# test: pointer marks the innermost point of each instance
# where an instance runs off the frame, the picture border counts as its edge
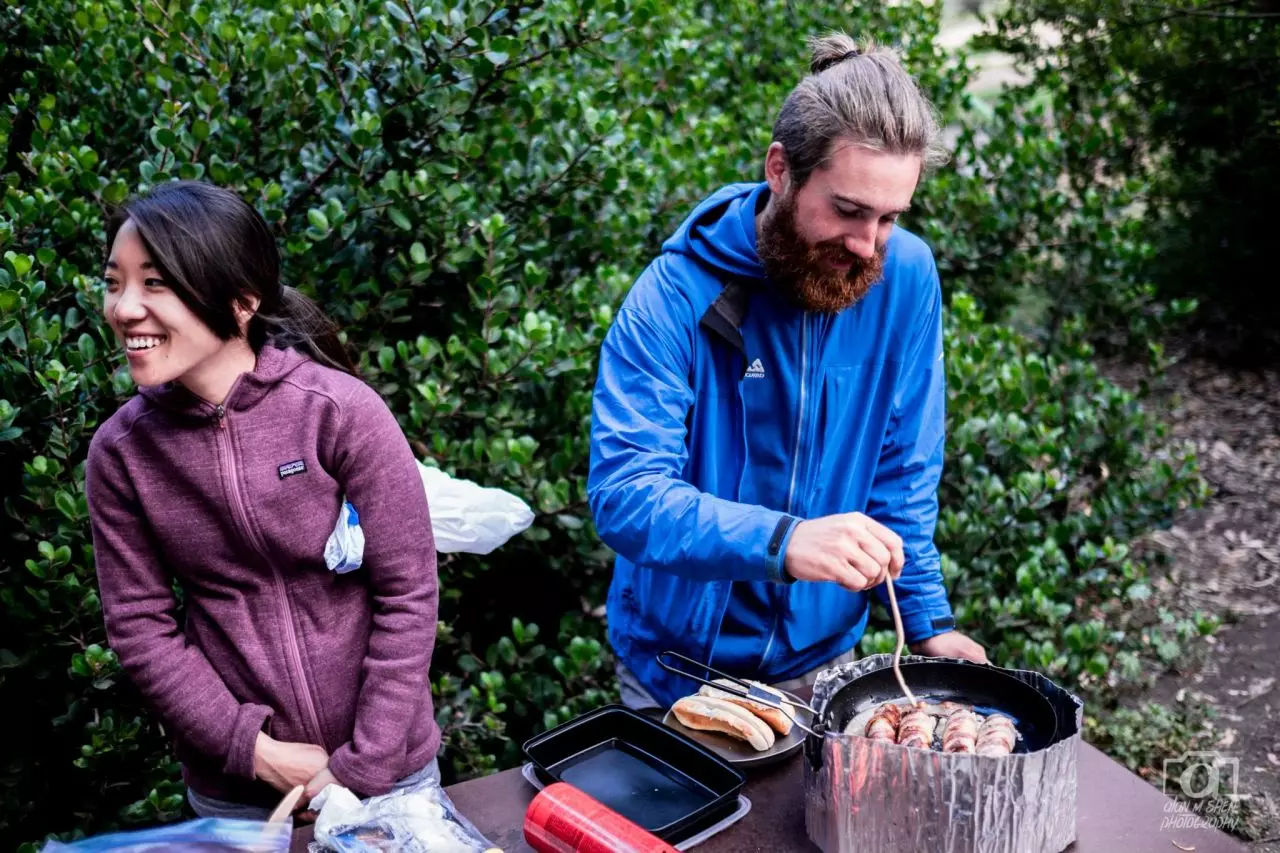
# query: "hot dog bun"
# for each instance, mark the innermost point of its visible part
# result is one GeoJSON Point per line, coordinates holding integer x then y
{"type": "Point", "coordinates": [716, 715]}
{"type": "Point", "coordinates": [777, 720]}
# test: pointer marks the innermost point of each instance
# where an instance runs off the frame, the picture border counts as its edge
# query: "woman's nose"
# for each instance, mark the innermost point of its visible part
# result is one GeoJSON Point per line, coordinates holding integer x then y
{"type": "Point", "coordinates": [126, 307]}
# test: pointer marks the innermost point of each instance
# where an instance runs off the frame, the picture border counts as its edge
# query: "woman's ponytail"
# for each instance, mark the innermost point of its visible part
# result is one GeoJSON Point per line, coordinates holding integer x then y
{"type": "Point", "coordinates": [299, 323]}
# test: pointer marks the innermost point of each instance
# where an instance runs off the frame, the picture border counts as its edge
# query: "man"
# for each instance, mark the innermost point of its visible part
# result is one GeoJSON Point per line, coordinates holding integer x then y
{"type": "Point", "coordinates": [768, 420]}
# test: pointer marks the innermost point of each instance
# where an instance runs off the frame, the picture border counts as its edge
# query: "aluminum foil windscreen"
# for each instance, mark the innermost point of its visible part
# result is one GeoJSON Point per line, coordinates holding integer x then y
{"type": "Point", "coordinates": [863, 795]}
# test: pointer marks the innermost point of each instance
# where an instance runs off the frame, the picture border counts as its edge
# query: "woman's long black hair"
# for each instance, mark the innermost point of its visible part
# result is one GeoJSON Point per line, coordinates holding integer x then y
{"type": "Point", "coordinates": [216, 251]}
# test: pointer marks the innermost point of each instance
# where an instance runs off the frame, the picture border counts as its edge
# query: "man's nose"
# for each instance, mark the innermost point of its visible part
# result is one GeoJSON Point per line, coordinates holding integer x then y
{"type": "Point", "coordinates": [861, 243]}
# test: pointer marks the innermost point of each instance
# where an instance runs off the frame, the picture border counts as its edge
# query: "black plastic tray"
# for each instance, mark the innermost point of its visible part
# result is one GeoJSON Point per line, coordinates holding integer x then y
{"type": "Point", "coordinates": [638, 767]}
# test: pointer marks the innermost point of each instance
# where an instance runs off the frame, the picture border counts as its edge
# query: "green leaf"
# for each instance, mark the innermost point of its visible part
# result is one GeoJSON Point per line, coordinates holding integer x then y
{"type": "Point", "coordinates": [318, 219]}
{"type": "Point", "coordinates": [419, 253]}
{"type": "Point", "coordinates": [396, 10]}
{"type": "Point", "coordinates": [66, 505]}
{"type": "Point", "coordinates": [21, 263]}
{"type": "Point", "coordinates": [397, 216]}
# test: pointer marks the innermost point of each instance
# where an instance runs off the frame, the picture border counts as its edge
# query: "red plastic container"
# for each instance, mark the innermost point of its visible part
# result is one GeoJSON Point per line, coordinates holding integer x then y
{"type": "Point", "coordinates": [562, 819]}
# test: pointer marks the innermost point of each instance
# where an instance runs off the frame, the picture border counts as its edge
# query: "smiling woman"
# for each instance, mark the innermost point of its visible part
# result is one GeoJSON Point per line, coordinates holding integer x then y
{"type": "Point", "coordinates": [193, 289]}
{"type": "Point", "coordinates": [284, 673]}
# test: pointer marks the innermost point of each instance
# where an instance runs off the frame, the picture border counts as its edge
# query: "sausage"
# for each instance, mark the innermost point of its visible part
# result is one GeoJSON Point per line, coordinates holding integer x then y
{"type": "Point", "coordinates": [996, 736]}
{"type": "Point", "coordinates": [916, 729]}
{"type": "Point", "coordinates": [960, 733]}
{"type": "Point", "coordinates": [884, 723]}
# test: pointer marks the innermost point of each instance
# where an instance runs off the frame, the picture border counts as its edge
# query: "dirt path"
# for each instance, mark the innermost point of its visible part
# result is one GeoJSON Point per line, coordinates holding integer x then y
{"type": "Point", "coordinates": [1225, 557]}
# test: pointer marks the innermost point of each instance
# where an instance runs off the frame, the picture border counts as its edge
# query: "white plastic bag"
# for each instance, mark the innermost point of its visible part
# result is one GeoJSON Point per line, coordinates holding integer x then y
{"type": "Point", "coordinates": [416, 819]}
{"type": "Point", "coordinates": [344, 552]}
{"type": "Point", "coordinates": [471, 518]}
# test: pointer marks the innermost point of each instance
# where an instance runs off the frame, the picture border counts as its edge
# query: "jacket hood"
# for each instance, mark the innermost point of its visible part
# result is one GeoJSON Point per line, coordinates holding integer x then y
{"type": "Point", "coordinates": [273, 365]}
{"type": "Point", "coordinates": [721, 231]}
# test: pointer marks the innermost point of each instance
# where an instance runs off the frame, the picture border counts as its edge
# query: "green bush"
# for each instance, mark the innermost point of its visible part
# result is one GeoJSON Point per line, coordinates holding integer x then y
{"type": "Point", "coordinates": [1051, 470]}
{"type": "Point", "coordinates": [1177, 105]}
{"type": "Point", "coordinates": [470, 190]}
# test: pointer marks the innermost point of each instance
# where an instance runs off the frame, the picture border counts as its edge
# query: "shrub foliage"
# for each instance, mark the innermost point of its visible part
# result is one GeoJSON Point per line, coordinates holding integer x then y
{"type": "Point", "coordinates": [470, 188]}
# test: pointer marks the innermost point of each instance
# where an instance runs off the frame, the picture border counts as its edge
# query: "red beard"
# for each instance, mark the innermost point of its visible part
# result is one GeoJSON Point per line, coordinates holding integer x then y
{"type": "Point", "coordinates": [802, 273]}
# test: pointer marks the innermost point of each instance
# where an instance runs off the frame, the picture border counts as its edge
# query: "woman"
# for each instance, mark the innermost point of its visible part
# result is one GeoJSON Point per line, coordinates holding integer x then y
{"type": "Point", "coordinates": [227, 473]}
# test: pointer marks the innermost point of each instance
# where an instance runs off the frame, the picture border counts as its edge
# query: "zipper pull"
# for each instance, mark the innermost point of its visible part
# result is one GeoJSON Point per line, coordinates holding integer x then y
{"type": "Point", "coordinates": [220, 415]}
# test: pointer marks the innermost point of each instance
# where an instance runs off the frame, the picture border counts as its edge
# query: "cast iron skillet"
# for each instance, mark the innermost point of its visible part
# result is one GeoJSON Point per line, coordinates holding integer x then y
{"type": "Point", "coordinates": [985, 687]}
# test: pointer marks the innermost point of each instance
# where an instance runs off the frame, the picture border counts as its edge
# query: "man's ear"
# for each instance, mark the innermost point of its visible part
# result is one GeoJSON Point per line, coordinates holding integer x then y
{"type": "Point", "coordinates": [776, 170]}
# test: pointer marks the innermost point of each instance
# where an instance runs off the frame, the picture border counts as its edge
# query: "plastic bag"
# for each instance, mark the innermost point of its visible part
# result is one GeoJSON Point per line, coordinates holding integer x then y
{"type": "Point", "coordinates": [214, 835]}
{"type": "Point", "coordinates": [344, 552]}
{"type": "Point", "coordinates": [416, 819]}
{"type": "Point", "coordinates": [471, 518]}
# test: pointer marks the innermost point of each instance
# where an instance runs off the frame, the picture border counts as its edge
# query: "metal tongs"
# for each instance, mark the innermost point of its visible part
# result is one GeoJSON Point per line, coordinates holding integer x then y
{"type": "Point", "coordinates": [744, 689]}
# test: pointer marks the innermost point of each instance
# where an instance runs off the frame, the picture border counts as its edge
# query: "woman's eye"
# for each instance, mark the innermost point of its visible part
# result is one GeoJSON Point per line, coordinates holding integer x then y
{"type": "Point", "coordinates": [155, 283]}
{"type": "Point", "coordinates": [111, 285]}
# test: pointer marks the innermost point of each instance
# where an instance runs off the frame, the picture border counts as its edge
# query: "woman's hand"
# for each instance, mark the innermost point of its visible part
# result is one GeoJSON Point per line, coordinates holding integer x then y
{"type": "Point", "coordinates": [284, 765]}
{"type": "Point", "coordinates": [318, 783]}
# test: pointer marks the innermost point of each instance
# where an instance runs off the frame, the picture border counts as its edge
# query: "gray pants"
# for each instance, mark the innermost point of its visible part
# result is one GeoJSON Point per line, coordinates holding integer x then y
{"type": "Point", "coordinates": [210, 807]}
{"type": "Point", "coordinates": [635, 697]}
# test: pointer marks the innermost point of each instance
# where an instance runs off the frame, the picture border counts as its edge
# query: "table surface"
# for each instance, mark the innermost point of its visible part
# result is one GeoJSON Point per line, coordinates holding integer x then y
{"type": "Point", "coordinates": [1117, 811]}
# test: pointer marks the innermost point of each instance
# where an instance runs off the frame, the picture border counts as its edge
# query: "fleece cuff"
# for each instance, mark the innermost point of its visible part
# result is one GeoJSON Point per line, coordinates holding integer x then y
{"type": "Point", "coordinates": [244, 739]}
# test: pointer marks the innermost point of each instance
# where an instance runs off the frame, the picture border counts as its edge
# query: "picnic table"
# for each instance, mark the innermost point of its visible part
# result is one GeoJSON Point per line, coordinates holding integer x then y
{"type": "Point", "coordinates": [1116, 811]}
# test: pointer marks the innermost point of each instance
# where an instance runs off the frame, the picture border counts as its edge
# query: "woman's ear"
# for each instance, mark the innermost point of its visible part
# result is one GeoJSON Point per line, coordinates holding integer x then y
{"type": "Point", "coordinates": [245, 310]}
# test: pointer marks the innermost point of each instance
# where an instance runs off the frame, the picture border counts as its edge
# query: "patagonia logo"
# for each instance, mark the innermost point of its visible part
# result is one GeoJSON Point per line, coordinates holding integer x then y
{"type": "Point", "coordinates": [288, 469]}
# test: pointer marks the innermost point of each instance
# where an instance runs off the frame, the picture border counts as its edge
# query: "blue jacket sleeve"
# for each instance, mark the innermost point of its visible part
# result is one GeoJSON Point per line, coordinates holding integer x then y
{"type": "Point", "coordinates": [642, 508]}
{"type": "Point", "coordinates": [904, 492]}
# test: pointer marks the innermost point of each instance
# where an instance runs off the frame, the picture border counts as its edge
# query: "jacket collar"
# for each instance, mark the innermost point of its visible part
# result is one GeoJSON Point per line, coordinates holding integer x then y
{"type": "Point", "coordinates": [273, 365]}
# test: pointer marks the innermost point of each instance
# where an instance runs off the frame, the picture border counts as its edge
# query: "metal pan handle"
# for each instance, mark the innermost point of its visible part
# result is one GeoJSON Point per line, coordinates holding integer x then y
{"type": "Point", "coordinates": [742, 689]}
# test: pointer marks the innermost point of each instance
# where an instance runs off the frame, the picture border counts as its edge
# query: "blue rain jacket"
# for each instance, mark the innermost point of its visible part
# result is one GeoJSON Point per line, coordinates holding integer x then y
{"type": "Point", "coordinates": [722, 415]}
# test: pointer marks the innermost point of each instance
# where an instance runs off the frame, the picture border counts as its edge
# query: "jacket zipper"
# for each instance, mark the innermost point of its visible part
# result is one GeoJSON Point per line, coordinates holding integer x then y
{"type": "Point", "coordinates": [795, 472]}
{"type": "Point", "coordinates": [282, 599]}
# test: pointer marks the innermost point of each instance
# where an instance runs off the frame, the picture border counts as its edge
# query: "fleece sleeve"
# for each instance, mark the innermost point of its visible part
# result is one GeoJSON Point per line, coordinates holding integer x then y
{"type": "Point", "coordinates": [379, 473]}
{"type": "Point", "coordinates": [141, 620]}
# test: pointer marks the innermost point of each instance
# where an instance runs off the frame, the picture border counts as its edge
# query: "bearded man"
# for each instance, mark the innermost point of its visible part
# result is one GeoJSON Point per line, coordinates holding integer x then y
{"type": "Point", "coordinates": [768, 420]}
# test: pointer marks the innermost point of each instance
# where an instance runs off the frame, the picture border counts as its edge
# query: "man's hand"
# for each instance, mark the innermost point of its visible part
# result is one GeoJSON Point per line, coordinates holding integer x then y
{"type": "Point", "coordinates": [851, 549]}
{"type": "Point", "coordinates": [284, 765]}
{"type": "Point", "coordinates": [318, 783]}
{"type": "Point", "coordinates": [951, 644]}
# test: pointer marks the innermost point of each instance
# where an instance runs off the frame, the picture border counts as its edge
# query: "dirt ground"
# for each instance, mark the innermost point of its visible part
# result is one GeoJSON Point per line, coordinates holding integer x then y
{"type": "Point", "coordinates": [1225, 557]}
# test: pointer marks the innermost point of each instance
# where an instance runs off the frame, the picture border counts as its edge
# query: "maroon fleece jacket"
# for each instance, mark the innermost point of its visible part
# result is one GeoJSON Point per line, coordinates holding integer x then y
{"type": "Point", "coordinates": [235, 502]}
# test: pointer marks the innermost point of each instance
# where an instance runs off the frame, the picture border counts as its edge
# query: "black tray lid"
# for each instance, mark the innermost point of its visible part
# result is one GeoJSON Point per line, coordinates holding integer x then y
{"type": "Point", "coordinates": [645, 771]}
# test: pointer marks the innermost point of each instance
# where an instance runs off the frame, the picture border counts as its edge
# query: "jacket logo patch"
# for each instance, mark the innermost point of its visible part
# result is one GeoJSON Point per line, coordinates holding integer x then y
{"type": "Point", "coordinates": [288, 469]}
{"type": "Point", "coordinates": [756, 370]}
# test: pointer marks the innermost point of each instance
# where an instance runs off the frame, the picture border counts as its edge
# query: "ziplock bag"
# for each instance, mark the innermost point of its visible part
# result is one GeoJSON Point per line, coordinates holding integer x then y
{"type": "Point", "coordinates": [417, 819]}
{"type": "Point", "coordinates": [207, 835]}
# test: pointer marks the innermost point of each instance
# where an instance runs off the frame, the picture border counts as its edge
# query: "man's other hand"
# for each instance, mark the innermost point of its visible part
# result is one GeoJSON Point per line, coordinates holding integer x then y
{"type": "Point", "coordinates": [850, 549]}
{"type": "Point", "coordinates": [951, 644]}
